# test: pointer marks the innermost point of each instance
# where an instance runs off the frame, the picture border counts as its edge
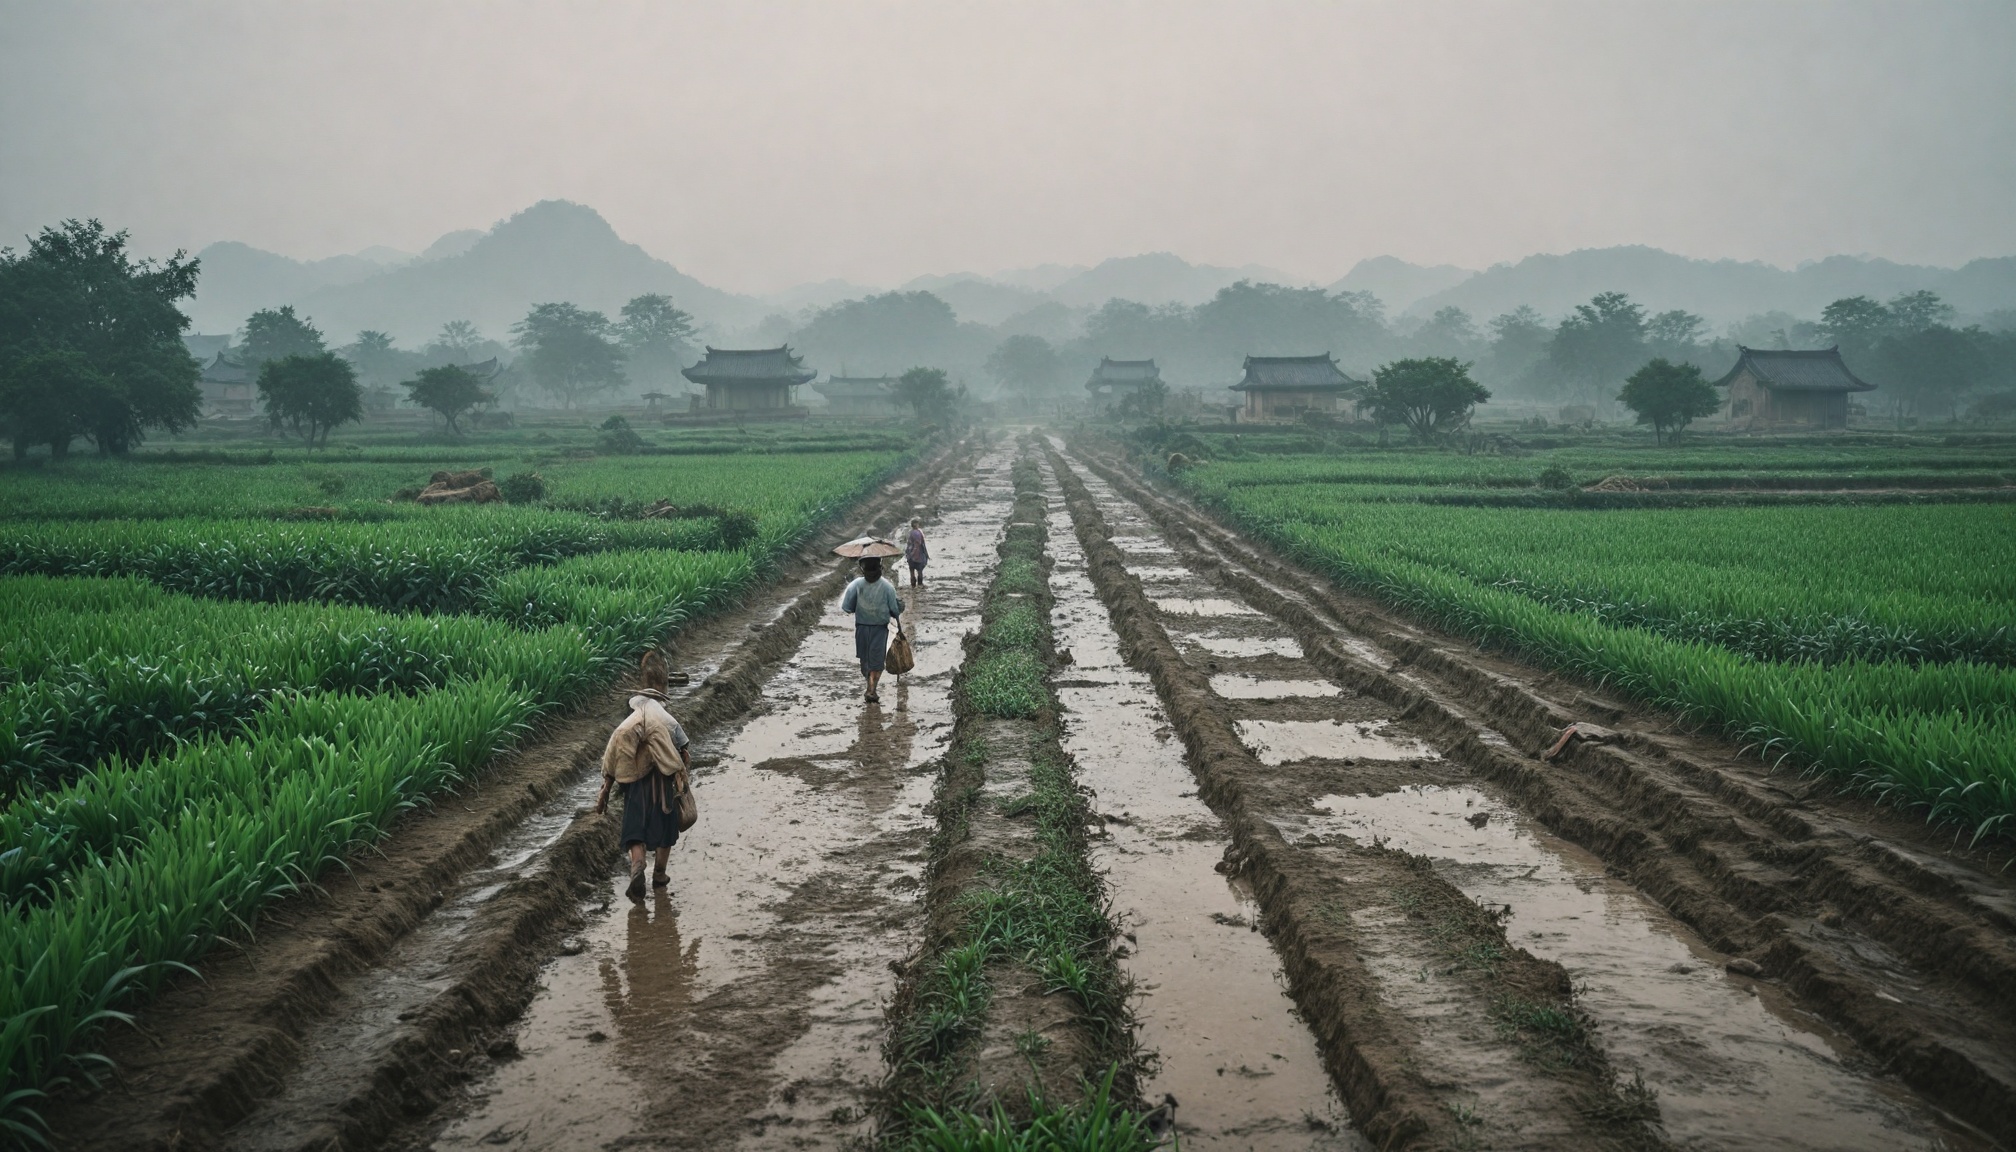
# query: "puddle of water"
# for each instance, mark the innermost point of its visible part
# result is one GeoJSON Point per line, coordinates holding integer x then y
{"type": "Point", "coordinates": [1214, 1006]}
{"type": "Point", "coordinates": [1732, 1068]}
{"type": "Point", "coordinates": [1233, 686]}
{"type": "Point", "coordinates": [1244, 646]}
{"type": "Point", "coordinates": [1200, 606]}
{"type": "Point", "coordinates": [749, 1003]}
{"type": "Point", "coordinates": [1276, 742]}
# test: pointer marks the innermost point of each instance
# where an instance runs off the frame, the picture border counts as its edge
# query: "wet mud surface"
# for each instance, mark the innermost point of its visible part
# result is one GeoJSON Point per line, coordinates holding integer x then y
{"type": "Point", "coordinates": [1228, 1043]}
{"type": "Point", "coordinates": [745, 1007]}
{"type": "Point", "coordinates": [1733, 1060]}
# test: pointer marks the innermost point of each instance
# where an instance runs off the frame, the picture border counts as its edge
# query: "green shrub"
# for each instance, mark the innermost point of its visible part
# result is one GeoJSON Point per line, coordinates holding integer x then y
{"type": "Point", "coordinates": [523, 487]}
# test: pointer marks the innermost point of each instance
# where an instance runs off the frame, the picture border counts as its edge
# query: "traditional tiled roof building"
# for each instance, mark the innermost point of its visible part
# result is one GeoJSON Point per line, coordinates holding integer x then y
{"type": "Point", "coordinates": [749, 379]}
{"type": "Point", "coordinates": [1789, 390]}
{"type": "Point", "coordinates": [1116, 380]}
{"type": "Point", "coordinates": [1284, 387]}
{"type": "Point", "coordinates": [228, 387]}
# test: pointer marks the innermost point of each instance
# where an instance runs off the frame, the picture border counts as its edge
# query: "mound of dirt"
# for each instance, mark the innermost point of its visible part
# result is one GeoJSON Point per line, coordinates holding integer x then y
{"type": "Point", "coordinates": [460, 488]}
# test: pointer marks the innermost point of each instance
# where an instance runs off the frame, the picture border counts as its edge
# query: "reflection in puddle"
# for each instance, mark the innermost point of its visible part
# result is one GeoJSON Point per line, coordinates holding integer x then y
{"type": "Point", "coordinates": [1246, 646]}
{"type": "Point", "coordinates": [1214, 1004]}
{"type": "Point", "coordinates": [1236, 687]}
{"type": "Point", "coordinates": [1729, 1070]}
{"type": "Point", "coordinates": [1201, 606]}
{"type": "Point", "coordinates": [1276, 742]}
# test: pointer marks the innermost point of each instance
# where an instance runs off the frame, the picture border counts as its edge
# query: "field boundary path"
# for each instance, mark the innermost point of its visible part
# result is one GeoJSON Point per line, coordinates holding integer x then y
{"type": "Point", "coordinates": [1828, 908]}
{"type": "Point", "coordinates": [208, 1052]}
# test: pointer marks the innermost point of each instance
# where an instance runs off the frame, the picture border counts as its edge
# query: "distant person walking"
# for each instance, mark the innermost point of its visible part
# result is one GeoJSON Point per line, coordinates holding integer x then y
{"type": "Point", "coordinates": [915, 553]}
{"type": "Point", "coordinates": [648, 756]}
{"type": "Point", "coordinates": [874, 602]}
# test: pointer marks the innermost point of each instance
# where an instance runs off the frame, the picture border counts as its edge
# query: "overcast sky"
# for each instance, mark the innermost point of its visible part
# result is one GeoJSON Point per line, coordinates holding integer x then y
{"type": "Point", "coordinates": [758, 145]}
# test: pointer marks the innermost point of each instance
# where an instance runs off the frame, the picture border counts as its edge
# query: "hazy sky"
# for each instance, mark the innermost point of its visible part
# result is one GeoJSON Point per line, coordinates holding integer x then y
{"type": "Point", "coordinates": [757, 145]}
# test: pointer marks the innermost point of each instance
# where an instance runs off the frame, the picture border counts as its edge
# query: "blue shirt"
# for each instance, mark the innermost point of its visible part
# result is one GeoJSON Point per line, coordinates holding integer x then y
{"type": "Point", "coordinates": [871, 604]}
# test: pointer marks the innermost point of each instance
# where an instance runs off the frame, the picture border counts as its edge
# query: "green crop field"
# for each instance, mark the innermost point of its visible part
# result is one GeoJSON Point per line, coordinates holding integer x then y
{"type": "Point", "coordinates": [1868, 635]}
{"type": "Point", "coordinates": [222, 672]}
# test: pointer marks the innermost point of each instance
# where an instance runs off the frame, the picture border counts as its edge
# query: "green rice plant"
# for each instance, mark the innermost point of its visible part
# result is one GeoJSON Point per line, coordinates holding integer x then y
{"type": "Point", "coordinates": [1097, 1123]}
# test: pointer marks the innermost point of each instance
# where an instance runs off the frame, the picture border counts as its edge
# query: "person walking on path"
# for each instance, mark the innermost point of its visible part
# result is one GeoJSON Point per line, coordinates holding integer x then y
{"type": "Point", "coordinates": [648, 756]}
{"type": "Point", "coordinates": [874, 602]}
{"type": "Point", "coordinates": [916, 554]}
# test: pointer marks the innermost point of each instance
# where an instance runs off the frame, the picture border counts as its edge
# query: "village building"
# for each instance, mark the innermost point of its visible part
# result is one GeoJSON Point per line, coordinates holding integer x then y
{"type": "Point", "coordinates": [872, 397]}
{"type": "Point", "coordinates": [749, 379]}
{"type": "Point", "coordinates": [1115, 380]}
{"type": "Point", "coordinates": [228, 388]}
{"type": "Point", "coordinates": [1285, 387]}
{"type": "Point", "coordinates": [1785, 391]}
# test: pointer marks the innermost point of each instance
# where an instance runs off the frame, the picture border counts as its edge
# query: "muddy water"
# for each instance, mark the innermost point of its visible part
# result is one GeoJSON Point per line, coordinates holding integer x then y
{"type": "Point", "coordinates": [1243, 1070]}
{"type": "Point", "coordinates": [1733, 1065]}
{"type": "Point", "coordinates": [745, 1006]}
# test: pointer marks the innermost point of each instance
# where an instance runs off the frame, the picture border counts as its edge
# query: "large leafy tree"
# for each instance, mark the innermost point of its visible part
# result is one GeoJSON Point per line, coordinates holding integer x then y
{"type": "Point", "coordinates": [571, 351]}
{"type": "Point", "coordinates": [1599, 343]}
{"type": "Point", "coordinates": [91, 342]}
{"type": "Point", "coordinates": [1518, 344]}
{"type": "Point", "coordinates": [1024, 364]}
{"type": "Point", "coordinates": [928, 392]}
{"type": "Point", "coordinates": [878, 333]}
{"type": "Point", "coordinates": [1931, 369]}
{"type": "Point", "coordinates": [275, 334]}
{"type": "Point", "coordinates": [310, 394]}
{"type": "Point", "coordinates": [449, 390]}
{"type": "Point", "coordinates": [459, 340]}
{"type": "Point", "coordinates": [1450, 332]}
{"type": "Point", "coordinates": [1430, 395]}
{"type": "Point", "coordinates": [657, 338]}
{"type": "Point", "coordinates": [1669, 396]}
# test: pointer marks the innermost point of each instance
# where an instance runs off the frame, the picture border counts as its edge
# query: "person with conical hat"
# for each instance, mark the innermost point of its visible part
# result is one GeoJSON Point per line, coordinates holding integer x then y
{"type": "Point", "coordinates": [647, 755]}
{"type": "Point", "coordinates": [874, 602]}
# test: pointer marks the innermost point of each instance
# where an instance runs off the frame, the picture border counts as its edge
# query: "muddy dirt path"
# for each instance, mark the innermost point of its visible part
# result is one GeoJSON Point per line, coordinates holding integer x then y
{"type": "Point", "coordinates": [744, 1007]}
{"type": "Point", "coordinates": [1362, 817]}
{"type": "Point", "coordinates": [1214, 1007]}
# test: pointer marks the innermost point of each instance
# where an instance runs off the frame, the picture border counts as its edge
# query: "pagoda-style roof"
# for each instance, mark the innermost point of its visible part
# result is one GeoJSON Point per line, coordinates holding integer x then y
{"type": "Point", "coordinates": [483, 370]}
{"type": "Point", "coordinates": [1293, 374]}
{"type": "Point", "coordinates": [1111, 372]}
{"type": "Point", "coordinates": [224, 370]}
{"type": "Point", "coordinates": [857, 387]}
{"type": "Point", "coordinates": [1816, 371]}
{"type": "Point", "coordinates": [750, 366]}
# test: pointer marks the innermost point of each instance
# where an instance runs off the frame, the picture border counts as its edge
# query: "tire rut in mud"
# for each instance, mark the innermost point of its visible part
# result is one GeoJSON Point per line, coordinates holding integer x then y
{"type": "Point", "coordinates": [744, 1007]}
{"type": "Point", "coordinates": [1489, 1046]}
{"type": "Point", "coordinates": [211, 1052]}
{"type": "Point", "coordinates": [1905, 944]}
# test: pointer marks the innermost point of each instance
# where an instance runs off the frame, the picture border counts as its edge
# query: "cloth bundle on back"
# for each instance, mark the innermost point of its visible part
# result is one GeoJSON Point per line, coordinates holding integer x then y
{"type": "Point", "coordinates": [648, 756]}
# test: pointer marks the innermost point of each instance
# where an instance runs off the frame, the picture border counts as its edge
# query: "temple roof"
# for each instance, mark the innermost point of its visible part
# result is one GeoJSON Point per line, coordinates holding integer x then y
{"type": "Point", "coordinates": [484, 370]}
{"type": "Point", "coordinates": [225, 371]}
{"type": "Point", "coordinates": [857, 387]}
{"type": "Point", "coordinates": [1293, 374]}
{"type": "Point", "coordinates": [750, 366]}
{"type": "Point", "coordinates": [1816, 371]}
{"type": "Point", "coordinates": [1111, 371]}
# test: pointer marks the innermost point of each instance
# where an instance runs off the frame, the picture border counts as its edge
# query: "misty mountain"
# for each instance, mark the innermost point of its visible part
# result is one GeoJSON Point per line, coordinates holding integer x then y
{"type": "Point", "coordinates": [1723, 291]}
{"type": "Point", "coordinates": [1397, 283]}
{"type": "Point", "coordinates": [238, 279]}
{"type": "Point", "coordinates": [979, 299]}
{"type": "Point", "coordinates": [1156, 278]}
{"type": "Point", "coordinates": [554, 250]}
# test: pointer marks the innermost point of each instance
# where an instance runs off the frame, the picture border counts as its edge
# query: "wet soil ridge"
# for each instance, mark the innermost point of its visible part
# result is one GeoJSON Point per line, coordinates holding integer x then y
{"type": "Point", "coordinates": [1495, 1049]}
{"type": "Point", "coordinates": [1883, 927]}
{"type": "Point", "coordinates": [211, 1052]}
{"type": "Point", "coordinates": [1014, 1008]}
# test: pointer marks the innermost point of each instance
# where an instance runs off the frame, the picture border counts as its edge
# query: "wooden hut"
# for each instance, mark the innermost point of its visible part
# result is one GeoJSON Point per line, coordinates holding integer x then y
{"type": "Point", "coordinates": [749, 380]}
{"type": "Point", "coordinates": [1284, 387]}
{"type": "Point", "coordinates": [1116, 380]}
{"type": "Point", "coordinates": [873, 397]}
{"type": "Point", "coordinates": [1788, 391]}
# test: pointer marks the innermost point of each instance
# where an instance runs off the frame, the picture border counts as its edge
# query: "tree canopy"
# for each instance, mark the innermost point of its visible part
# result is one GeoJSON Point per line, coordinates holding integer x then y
{"type": "Point", "coordinates": [1599, 342]}
{"type": "Point", "coordinates": [570, 350]}
{"type": "Point", "coordinates": [310, 394]}
{"type": "Point", "coordinates": [276, 333]}
{"type": "Point", "coordinates": [1430, 395]}
{"type": "Point", "coordinates": [1025, 364]}
{"type": "Point", "coordinates": [928, 392]}
{"type": "Point", "coordinates": [91, 342]}
{"type": "Point", "coordinates": [449, 390]}
{"type": "Point", "coordinates": [1669, 396]}
{"type": "Point", "coordinates": [657, 339]}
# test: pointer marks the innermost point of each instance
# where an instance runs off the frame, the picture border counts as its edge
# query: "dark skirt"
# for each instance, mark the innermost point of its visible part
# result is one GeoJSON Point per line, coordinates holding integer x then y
{"type": "Point", "coordinates": [645, 820]}
{"type": "Point", "coordinates": [871, 646]}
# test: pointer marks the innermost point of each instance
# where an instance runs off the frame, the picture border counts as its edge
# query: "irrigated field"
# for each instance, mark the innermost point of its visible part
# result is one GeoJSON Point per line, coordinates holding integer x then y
{"type": "Point", "coordinates": [1872, 640]}
{"type": "Point", "coordinates": [219, 679]}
